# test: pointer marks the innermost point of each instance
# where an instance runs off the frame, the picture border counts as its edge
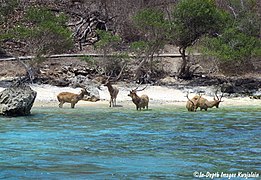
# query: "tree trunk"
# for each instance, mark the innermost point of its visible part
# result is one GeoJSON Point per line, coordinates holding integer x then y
{"type": "Point", "coordinates": [138, 69]}
{"type": "Point", "coordinates": [182, 71]}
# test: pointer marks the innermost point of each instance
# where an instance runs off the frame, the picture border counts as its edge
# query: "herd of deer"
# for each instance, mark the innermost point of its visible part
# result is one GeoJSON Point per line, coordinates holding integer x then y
{"type": "Point", "coordinates": [140, 101]}
{"type": "Point", "coordinates": [199, 102]}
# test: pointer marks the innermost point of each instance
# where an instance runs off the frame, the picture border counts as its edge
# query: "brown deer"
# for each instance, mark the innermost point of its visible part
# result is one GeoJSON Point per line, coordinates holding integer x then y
{"type": "Point", "coordinates": [139, 101]}
{"type": "Point", "coordinates": [203, 103]}
{"type": "Point", "coordinates": [72, 98]}
{"type": "Point", "coordinates": [113, 92]}
{"type": "Point", "coordinates": [192, 103]}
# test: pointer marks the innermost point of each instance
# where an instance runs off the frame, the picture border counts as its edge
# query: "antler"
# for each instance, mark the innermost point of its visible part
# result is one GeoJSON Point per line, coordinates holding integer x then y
{"type": "Point", "coordinates": [136, 89]}
{"type": "Point", "coordinates": [221, 96]}
{"type": "Point", "coordinates": [190, 99]}
{"type": "Point", "coordinates": [219, 99]}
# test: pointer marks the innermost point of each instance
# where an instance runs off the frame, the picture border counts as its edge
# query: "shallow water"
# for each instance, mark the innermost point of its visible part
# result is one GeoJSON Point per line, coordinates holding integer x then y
{"type": "Point", "coordinates": [122, 143]}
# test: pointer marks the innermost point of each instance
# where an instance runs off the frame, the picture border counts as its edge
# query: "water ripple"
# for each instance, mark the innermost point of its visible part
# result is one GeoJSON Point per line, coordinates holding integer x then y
{"type": "Point", "coordinates": [121, 143]}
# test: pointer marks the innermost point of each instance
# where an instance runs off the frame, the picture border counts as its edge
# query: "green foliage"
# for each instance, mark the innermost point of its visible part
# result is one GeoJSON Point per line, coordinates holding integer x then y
{"type": "Point", "coordinates": [139, 46]}
{"type": "Point", "coordinates": [152, 24]}
{"type": "Point", "coordinates": [150, 20]}
{"type": "Point", "coordinates": [232, 45]}
{"type": "Point", "coordinates": [121, 56]}
{"type": "Point", "coordinates": [110, 64]}
{"type": "Point", "coordinates": [195, 18]}
{"type": "Point", "coordinates": [240, 40]}
{"type": "Point", "coordinates": [45, 32]}
{"type": "Point", "coordinates": [43, 16]}
{"type": "Point", "coordinates": [106, 39]}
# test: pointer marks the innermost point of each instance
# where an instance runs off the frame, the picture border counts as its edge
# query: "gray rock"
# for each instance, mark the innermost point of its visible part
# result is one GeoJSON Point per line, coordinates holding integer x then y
{"type": "Point", "coordinates": [17, 101]}
{"type": "Point", "coordinates": [90, 86]}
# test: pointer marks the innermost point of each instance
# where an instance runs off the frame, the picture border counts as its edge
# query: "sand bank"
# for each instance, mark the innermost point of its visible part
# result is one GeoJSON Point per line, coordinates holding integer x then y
{"type": "Point", "coordinates": [159, 95]}
{"type": "Point", "coordinates": [46, 96]}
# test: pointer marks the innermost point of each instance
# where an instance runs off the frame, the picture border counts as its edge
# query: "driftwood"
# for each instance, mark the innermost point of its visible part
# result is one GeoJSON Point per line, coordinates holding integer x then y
{"type": "Point", "coordinates": [85, 28]}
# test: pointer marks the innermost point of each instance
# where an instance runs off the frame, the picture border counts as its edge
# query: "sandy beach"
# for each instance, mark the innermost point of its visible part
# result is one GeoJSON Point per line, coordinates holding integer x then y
{"type": "Point", "coordinates": [159, 95]}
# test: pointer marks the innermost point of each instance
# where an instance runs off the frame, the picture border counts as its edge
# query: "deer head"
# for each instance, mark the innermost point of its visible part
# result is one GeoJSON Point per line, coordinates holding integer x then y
{"type": "Point", "coordinates": [134, 91]}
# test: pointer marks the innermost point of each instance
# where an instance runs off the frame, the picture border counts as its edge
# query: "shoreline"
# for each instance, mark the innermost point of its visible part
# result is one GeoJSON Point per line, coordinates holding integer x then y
{"type": "Point", "coordinates": [159, 96]}
{"type": "Point", "coordinates": [235, 102]}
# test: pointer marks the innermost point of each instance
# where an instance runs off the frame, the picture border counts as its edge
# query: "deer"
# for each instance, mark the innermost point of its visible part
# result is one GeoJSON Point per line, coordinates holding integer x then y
{"type": "Point", "coordinates": [68, 97]}
{"type": "Point", "coordinates": [203, 103]}
{"type": "Point", "coordinates": [139, 101]}
{"type": "Point", "coordinates": [192, 103]}
{"type": "Point", "coordinates": [113, 92]}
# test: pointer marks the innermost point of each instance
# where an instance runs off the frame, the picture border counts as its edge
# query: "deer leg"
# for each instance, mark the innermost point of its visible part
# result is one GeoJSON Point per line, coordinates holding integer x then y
{"type": "Point", "coordinates": [114, 102]}
{"type": "Point", "coordinates": [110, 103]}
{"type": "Point", "coordinates": [72, 105]}
{"type": "Point", "coordinates": [61, 104]}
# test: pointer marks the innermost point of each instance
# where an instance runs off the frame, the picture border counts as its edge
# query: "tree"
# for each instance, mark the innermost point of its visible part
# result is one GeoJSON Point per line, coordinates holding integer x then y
{"type": "Point", "coordinates": [42, 33]}
{"type": "Point", "coordinates": [112, 65]}
{"type": "Point", "coordinates": [193, 19]}
{"type": "Point", "coordinates": [239, 42]}
{"type": "Point", "coordinates": [154, 29]}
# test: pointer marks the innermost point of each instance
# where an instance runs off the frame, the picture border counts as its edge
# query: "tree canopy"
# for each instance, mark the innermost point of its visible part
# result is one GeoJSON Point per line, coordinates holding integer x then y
{"type": "Point", "coordinates": [193, 19]}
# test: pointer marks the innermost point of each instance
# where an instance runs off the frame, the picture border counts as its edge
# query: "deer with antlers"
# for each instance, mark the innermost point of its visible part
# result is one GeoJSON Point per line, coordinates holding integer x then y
{"type": "Point", "coordinates": [139, 101]}
{"type": "Point", "coordinates": [113, 92]}
{"type": "Point", "coordinates": [192, 103]}
{"type": "Point", "coordinates": [203, 103]}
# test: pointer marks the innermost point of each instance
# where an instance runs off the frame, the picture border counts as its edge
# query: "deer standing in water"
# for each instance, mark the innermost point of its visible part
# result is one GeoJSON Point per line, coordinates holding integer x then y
{"type": "Point", "coordinates": [72, 98]}
{"type": "Point", "coordinates": [192, 103]}
{"type": "Point", "coordinates": [113, 92]}
{"type": "Point", "coordinates": [203, 103]}
{"type": "Point", "coordinates": [139, 101]}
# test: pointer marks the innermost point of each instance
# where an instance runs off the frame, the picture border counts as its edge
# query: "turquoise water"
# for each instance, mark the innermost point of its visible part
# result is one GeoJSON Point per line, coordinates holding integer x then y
{"type": "Point", "coordinates": [122, 143]}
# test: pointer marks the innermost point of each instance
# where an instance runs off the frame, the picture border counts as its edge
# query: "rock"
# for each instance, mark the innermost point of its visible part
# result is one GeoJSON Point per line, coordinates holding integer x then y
{"type": "Point", "coordinates": [91, 98]}
{"type": "Point", "coordinates": [17, 101]}
{"type": "Point", "coordinates": [59, 82]}
{"type": "Point", "coordinates": [228, 88]}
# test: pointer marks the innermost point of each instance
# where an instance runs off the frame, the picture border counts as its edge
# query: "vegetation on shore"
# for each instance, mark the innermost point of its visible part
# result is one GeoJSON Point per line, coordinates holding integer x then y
{"type": "Point", "coordinates": [226, 31]}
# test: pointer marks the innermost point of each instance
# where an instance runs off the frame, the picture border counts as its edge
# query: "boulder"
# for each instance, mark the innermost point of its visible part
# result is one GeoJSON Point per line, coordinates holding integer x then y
{"type": "Point", "coordinates": [91, 98]}
{"type": "Point", "coordinates": [17, 100]}
{"type": "Point", "coordinates": [89, 85]}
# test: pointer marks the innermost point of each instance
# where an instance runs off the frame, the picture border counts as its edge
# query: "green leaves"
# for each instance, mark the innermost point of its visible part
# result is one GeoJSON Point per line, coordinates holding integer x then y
{"type": "Point", "coordinates": [232, 45]}
{"type": "Point", "coordinates": [239, 41]}
{"type": "Point", "coordinates": [44, 31]}
{"type": "Point", "coordinates": [149, 18]}
{"type": "Point", "coordinates": [106, 39]}
{"type": "Point", "coordinates": [195, 18]}
{"type": "Point", "coordinates": [154, 28]}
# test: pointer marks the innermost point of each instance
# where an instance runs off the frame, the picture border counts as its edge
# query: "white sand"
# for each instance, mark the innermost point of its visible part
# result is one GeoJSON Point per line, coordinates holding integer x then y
{"type": "Point", "coordinates": [46, 96]}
